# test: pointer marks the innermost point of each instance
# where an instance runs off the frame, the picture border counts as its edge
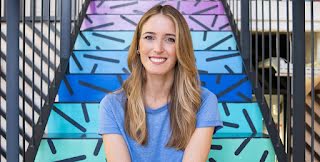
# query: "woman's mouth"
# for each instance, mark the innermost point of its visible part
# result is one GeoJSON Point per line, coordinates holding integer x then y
{"type": "Point", "coordinates": [157, 60]}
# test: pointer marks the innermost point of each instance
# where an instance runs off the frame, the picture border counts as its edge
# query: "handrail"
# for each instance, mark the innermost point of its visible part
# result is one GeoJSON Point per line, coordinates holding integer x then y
{"type": "Point", "coordinates": [54, 86]}
{"type": "Point", "coordinates": [243, 40]}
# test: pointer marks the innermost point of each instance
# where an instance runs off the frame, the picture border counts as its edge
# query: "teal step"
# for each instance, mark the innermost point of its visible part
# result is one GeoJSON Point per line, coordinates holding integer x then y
{"type": "Point", "coordinates": [92, 88]}
{"type": "Point", "coordinates": [242, 150]}
{"type": "Point", "coordinates": [115, 62]}
{"type": "Point", "coordinates": [90, 149]}
{"type": "Point", "coordinates": [112, 40]}
{"type": "Point", "coordinates": [243, 118]}
{"type": "Point", "coordinates": [70, 150]}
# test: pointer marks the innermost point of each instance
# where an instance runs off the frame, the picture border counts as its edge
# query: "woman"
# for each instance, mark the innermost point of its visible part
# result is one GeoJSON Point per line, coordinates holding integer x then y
{"type": "Point", "coordinates": [161, 113]}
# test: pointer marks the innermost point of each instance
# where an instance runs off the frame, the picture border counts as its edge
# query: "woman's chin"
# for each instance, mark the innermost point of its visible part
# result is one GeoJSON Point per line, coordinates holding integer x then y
{"type": "Point", "coordinates": [157, 72]}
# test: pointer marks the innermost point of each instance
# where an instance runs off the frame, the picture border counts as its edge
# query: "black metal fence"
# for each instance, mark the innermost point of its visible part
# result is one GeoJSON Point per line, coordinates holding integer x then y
{"type": "Point", "coordinates": [277, 41]}
{"type": "Point", "coordinates": [32, 62]}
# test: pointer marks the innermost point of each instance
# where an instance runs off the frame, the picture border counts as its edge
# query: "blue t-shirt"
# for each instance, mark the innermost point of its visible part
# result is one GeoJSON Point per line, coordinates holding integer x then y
{"type": "Point", "coordinates": [158, 125]}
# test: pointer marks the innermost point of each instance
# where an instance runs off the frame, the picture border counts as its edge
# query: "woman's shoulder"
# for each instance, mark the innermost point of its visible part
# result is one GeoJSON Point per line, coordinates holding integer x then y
{"type": "Point", "coordinates": [116, 97]}
{"type": "Point", "coordinates": [205, 93]}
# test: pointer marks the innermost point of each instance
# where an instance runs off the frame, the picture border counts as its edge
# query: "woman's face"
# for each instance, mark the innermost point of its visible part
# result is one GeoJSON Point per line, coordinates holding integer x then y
{"type": "Point", "coordinates": [157, 45]}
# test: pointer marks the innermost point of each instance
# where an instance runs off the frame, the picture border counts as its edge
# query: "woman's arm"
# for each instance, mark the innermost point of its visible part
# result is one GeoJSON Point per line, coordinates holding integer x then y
{"type": "Point", "coordinates": [199, 146]}
{"type": "Point", "coordinates": [115, 148]}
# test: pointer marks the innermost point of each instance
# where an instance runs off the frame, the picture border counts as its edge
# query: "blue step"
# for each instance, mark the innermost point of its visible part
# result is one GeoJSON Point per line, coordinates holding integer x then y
{"type": "Point", "coordinates": [238, 118]}
{"type": "Point", "coordinates": [112, 40]}
{"type": "Point", "coordinates": [92, 88]}
{"type": "Point", "coordinates": [252, 149]}
{"type": "Point", "coordinates": [115, 62]}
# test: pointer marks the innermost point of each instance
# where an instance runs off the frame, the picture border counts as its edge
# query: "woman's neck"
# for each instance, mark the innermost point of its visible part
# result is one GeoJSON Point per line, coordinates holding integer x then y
{"type": "Point", "coordinates": [157, 89]}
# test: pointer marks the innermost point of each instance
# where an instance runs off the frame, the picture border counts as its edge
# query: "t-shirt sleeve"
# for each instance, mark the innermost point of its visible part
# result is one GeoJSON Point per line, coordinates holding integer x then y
{"type": "Point", "coordinates": [208, 114]}
{"type": "Point", "coordinates": [107, 120]}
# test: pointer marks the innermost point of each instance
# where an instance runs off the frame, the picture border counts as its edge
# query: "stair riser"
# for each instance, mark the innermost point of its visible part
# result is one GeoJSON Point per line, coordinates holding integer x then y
{"type": "Point", "coordinates": [114, 62]}
{"type": "Point", "coordinates": [102, 40]}
{"type": "Point", "coordinates": [94, 152]}
{"type": "Point", "coordinates": [139, 7]}
{"type": "Point", "coordinates": [92, 88]}
{"type": "Point", "coordinates": [83, 118]}
{"type": "Point", "coordinates": [129, 22]}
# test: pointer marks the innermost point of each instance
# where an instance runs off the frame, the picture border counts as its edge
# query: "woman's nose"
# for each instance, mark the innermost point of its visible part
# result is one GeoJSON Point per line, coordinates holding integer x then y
{"type": "Point", "coordinates": [158, 47]}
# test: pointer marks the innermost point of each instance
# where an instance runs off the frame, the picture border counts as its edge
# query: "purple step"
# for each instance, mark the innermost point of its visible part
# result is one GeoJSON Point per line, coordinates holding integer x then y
{"type": "Point", "coordinates": [139, 7]}
{"type": "Point", "coordinates": [129, 22]}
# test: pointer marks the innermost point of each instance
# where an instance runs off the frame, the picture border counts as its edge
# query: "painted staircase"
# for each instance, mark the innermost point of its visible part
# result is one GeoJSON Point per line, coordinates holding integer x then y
{"type": "Point", "coordinates": [98, 66]}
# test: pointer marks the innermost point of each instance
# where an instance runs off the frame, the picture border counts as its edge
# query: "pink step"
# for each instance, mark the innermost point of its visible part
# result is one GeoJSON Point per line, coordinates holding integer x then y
{"type": "Point", "coordinates": [139, 7]}
{"type": "Point", "coordinates": [129, 22]}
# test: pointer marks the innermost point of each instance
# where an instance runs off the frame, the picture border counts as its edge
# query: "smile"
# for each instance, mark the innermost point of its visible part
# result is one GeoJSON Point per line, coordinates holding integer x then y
{"type": "Point", "coordinates": [157, 60]}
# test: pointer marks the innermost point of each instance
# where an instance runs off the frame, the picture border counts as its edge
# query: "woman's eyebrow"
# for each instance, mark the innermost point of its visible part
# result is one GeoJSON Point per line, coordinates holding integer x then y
{"type": "Point", "coordinates": [148, 33]}
{"type": "Point", "coordinates": [153, 33]}
{"type": "Point", "coordinates": [171, 35]}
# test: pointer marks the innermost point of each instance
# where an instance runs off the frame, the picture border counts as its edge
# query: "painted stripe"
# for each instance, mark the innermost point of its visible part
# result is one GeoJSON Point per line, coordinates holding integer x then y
{"type": "Point", "coordinates": [98, 147]}
{"type": "Point", "coordinates": [205, 10]}
{"type": "Point", "coordinates": [73, 159]}
{"type": "Point", "coordinates": [216, 147]}
{"type": "Point", "coordinates": [59, 125]}
{"type": "Point", "coordinates": [76, 61]}
{"type": "Point", "coordinates": [226, 109]}
{"type": "Point", "coordinates": [69, 119]}
{"type": "Point", "coordinates": [242, 146]}
{"type": "Point", "coordinates": [250, 122]}
{"type": "Point", "coordinates": [85, 112]}
{"type": "Point", "coordinates": [51, 146]}
{"type": "Point", "coordinates": [232, 125]}
{"type": "Point", "coordinates": [264, 156]}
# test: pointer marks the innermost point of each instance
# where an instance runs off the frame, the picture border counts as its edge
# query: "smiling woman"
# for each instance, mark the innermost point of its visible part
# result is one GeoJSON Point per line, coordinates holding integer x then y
{"type": "Point", "coordinates": [157, 46]}
{"type": "Point", "coordinates": [161, 113]}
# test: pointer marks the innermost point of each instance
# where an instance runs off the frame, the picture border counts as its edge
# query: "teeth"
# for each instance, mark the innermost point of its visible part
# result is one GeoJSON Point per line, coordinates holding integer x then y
{"type": "Point", "coordinates": [157, 59]}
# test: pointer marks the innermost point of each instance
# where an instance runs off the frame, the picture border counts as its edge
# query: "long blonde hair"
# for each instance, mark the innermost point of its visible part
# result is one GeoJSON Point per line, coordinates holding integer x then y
{"type": "Point", "coordinates": [185, 93]}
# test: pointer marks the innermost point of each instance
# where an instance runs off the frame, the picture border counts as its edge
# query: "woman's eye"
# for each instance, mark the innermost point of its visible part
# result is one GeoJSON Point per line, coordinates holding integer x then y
{"type": "Point", "coordinates": [148, 37]}
{"type": "Point", "coordinates": [172, 40]}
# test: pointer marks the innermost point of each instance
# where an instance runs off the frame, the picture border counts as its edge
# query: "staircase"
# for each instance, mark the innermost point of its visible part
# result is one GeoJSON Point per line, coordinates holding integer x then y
{"type": "Point", "coordinates": [98, 66]}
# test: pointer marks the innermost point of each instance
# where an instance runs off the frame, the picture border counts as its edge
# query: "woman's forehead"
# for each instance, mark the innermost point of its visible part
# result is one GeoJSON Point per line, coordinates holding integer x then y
{"type": "Point", "coordinates": [159, 23]}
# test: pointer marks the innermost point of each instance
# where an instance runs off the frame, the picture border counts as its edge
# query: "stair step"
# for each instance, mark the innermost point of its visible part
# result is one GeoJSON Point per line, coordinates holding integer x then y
{"type": "Point", "coordinates": [217, 135]}
{"type": "Point", "coordinates": [112, 40]}
{"type": "Point", "coordinates": [129, 22]}
{"type": "Point", "coordinates": [140, 7]}
{"type": "Point", "coordinates": [91, 150]}
{"type": "Point", "coordinates": [238, 118]}
{"type": "Point", "coordinates": [115, 62]}
{"type": "Point", "coordinates": [92, 88]}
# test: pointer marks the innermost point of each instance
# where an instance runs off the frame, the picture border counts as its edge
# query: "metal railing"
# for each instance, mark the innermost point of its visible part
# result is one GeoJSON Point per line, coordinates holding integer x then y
{"type": "Point", "coordinates": [36, 42]}
{"type": "Point", "coordinates": [272, 38]}
{"type": "Point", "coordinates": [277, 41]}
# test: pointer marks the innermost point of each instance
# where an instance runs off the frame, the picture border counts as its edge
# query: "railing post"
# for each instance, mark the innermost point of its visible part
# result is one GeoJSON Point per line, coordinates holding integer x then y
{"type": "Point", "coordinates": [12, 80]}
{"type": "Point", "coordinates": [65, 27]}
{"type": "Point", "coordinates": [298, 80]}
{"type": "Point", "coordinates": [245, 33]}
